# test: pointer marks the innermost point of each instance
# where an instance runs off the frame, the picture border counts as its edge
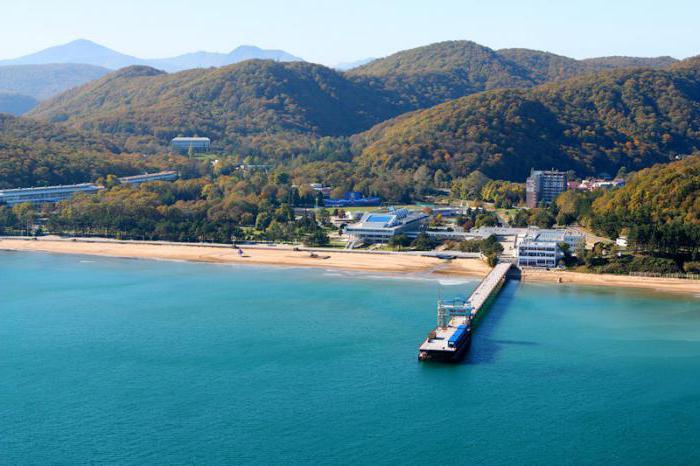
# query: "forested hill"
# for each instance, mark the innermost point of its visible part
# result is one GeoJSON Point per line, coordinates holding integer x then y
{"type": "Point", "coordinates": [39, 154]}
{"type": "Point", "coordinates": [237, 106]}
{"type": "Point", "coordinates": [591, 124]}
{"type": "Point", "coordinates": [609, 63]}
{"type": "Point", "coordinates": [661, 194]}
{"type": "Point", "coordinates": [426, 76]}
{"type": "Point", "coordinates": [272, 108]}
{"type": "Point", "coordinates": [688, 63]}
{"type": "Point", "coordinates": [542, 67]}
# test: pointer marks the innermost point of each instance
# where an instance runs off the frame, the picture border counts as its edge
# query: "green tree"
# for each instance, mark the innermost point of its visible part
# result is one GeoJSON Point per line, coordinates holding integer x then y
{"type": "Point", "coordinates": [25, 215]}
{"type": "Point", "coordinates": [262, 221]}
{"type": "Point", "coordinates": [111, 181]}
{"type": "Point", "coordinates": [281, 178]}
{"type": "Point", "coordinates": [7, 218]}
{"type": "Point", "coordinates": [487, 219]}
{"type": "Point", "coordinates": [542, 218]}
{"type": "Point", "coordinates": [520, 219]}
{"type": "Point", "coordinates": [424, 243]}
{"type": "Point", "coordinates": [318, 238]}
{"type": "Point", "coordinates": [399, 241]}
{"type": "Point", "coordinates": [469, 187]}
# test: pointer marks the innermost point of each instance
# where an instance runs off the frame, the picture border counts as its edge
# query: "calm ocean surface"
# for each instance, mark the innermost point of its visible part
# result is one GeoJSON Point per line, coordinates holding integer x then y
{"type": "Point", "coordinates": [134, 362]}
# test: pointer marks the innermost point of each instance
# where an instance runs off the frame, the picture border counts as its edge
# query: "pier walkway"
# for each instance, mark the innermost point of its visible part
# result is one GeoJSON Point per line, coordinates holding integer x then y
{"type": "Point", "coordinates": [492, 282]}
{"type": "Point", "coordinates": [456, 317]}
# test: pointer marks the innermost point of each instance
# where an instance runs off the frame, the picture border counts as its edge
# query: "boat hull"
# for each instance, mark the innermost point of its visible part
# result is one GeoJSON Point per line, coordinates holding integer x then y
{"type": "Point", "coordinates": [447, 356]}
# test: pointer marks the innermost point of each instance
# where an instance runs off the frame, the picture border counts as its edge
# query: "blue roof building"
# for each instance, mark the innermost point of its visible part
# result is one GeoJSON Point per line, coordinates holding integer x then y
{"type": "Point", "coordinates": [353, 199]}
{"type": "Point", "coordinates": [380, 227]}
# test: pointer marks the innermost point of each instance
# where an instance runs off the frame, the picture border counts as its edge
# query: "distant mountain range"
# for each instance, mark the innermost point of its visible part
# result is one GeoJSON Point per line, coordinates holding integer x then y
{"type": "Point", "coordinates": [348, 65]}
{"type": "Point", "coordinates": [435, 112]}
{"type": "Point", "coordinates": [23, 86]}
{"type": "Point", "coordinates": [26, 80]}
{"type": "Point", "coordinates": [542, 109]}
{"type": "Point", "coordinates": [87, 52]}
{"type": "Point", "coordinates": [44, 81]}
{"type": "Point", "coordinates": [16, 104]}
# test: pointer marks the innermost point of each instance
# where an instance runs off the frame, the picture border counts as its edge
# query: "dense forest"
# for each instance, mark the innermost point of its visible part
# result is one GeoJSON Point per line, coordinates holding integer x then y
{"type": "Point", "coordinates": [243, 205]}
{"type": "Point", "coordinates": [426, 76]}
{"type": "Point", "coordinates": [259, 106]}
{"type": "Point", "coordinates": [40, 154]}
{"type": "Point", "coordinates": [590, 124]}
{"type": "Point", "coordinates": [278, 111]}
{"type": "Point", "coordinates": [659, 208]}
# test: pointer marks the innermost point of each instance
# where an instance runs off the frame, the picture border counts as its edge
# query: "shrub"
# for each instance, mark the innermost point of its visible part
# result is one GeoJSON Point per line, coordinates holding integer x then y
{"type": "Point", "coordinates": [692, 267]}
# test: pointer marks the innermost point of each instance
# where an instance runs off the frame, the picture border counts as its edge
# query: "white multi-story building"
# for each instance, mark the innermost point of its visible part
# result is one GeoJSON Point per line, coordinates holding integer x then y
{"type": "Point", "coordinates": [538, 254]}
{"type": "Point", "coordinates": [534, 247]}
{"type": "Point", "coordinates": [543, 187]}
{"type": "Point", "coordinates": [540, 248]}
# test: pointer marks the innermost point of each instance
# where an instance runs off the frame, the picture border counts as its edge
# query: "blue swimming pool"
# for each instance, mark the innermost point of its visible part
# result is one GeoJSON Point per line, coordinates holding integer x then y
{"type": "Point", "coordinates": [375, 218]}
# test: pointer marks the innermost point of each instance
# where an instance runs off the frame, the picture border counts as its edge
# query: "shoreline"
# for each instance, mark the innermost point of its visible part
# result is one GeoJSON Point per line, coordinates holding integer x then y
{"type": "Point", "coordinates": [342, 260]}
{"type": "Point", "coordinates": [253, 255]}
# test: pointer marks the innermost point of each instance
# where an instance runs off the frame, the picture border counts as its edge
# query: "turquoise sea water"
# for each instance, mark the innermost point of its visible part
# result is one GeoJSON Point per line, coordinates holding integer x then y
{"type": "Point", "coordinates": [139, 362]}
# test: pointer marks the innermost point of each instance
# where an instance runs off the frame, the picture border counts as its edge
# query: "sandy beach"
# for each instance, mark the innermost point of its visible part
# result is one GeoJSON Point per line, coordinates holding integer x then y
{"type": "Point", "coordinates": [357, 261]}
{"type": "Point", "coordinates": [396, 263]}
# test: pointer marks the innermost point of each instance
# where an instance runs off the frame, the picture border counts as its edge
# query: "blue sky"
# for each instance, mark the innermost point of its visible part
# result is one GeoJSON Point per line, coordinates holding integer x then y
{"type": "Point", "coordinates": [332, 31]}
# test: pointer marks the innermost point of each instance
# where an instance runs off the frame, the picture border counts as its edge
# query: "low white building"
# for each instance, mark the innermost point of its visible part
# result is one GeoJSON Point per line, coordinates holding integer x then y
{"type": "Point", "coordinates": [184, 144]}
{"type": "Point", "coordinates": [621, 242]}
{"type": "Point", "coordinates": [46, 194]}
{"type": "Point", "coordinates": [319, 188]}
{"type": "Point", "coordinates": [148, 177]}
{"type": "Point", "coordinates": [348, 217]}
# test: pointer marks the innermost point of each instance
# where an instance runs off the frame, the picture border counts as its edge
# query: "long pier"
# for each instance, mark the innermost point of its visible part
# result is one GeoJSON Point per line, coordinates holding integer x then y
{"type": "Point", "coordinates": [457, 317]}
{"type": "Point", "coordinates": [488, 288]}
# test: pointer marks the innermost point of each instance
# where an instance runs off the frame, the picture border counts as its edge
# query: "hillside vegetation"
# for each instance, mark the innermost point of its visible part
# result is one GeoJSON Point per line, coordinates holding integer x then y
{"type": "Point", "coordinates": [429, 75]}
{"type": "Point", "coordinates": [37, 154]}
{"type": "Point", "coordinates": [280, 110]}
{"type": "Point", "coordinates": [662, 194]}
{"type": "Point", "coordinates": [659, 212]}
{"type": "Point", "coordinates": [426, 76]}
{"type": "Point", "coordinates": [244, 106]}
{"type": "Point", "coordinates": [591, 124]}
